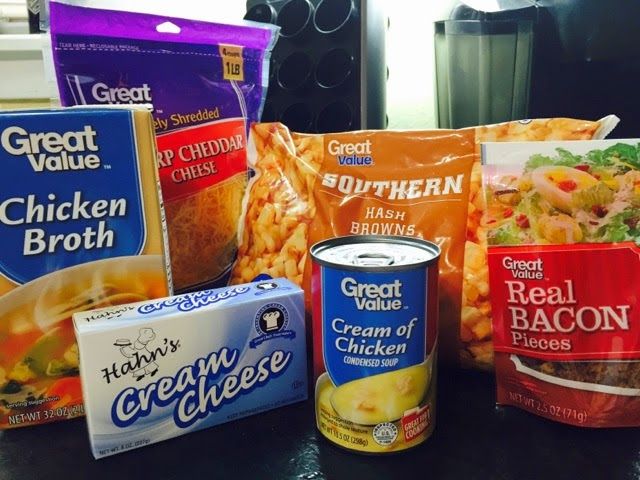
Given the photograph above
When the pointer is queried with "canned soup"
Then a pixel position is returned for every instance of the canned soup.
(375, 325)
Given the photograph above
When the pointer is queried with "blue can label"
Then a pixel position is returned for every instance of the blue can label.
(70, 191)
(373, 323)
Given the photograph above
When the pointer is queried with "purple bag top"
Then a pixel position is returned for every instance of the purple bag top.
(207, 83)
(73, 20)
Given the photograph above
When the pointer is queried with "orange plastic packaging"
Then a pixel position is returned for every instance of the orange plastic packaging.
(313, 187)
(425, 184)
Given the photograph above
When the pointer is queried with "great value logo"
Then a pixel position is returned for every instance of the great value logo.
(525, 269)
(70, 191)
(103, 93)
(351, 154)
(373, 297)
(53, 151)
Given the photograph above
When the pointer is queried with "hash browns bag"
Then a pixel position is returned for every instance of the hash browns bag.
(313, 187)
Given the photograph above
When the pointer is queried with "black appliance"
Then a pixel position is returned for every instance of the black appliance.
(586, 56)
(328, 69)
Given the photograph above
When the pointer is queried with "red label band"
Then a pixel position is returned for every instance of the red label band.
(415, 422)
(566, 302)
(196, 158)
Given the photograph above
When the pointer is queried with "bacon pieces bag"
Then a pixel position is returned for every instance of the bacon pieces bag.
(426, 184)
(476, 343)
(207, 82)
(561, 217)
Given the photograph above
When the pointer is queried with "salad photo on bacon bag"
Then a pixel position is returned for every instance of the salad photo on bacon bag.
(565, 198)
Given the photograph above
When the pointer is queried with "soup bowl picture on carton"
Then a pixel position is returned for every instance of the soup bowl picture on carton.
(38, 352)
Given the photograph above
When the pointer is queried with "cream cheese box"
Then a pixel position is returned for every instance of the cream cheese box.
(154, 370)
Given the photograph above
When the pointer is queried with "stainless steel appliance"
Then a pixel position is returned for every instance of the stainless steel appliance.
(585, 57)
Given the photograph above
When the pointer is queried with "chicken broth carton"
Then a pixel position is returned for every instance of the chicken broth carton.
(82, 228)
(158, 369)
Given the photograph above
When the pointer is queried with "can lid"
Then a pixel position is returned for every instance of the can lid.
(375, 253)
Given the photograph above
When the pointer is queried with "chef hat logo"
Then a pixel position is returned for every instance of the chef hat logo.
(271, 319)
(267, 286)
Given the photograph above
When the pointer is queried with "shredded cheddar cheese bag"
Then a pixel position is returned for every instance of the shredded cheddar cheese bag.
(425, 184)
(207, 83)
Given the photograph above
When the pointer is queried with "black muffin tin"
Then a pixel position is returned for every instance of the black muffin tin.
(328, 70)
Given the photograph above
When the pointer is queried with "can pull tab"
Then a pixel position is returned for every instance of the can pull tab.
(373, 260)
